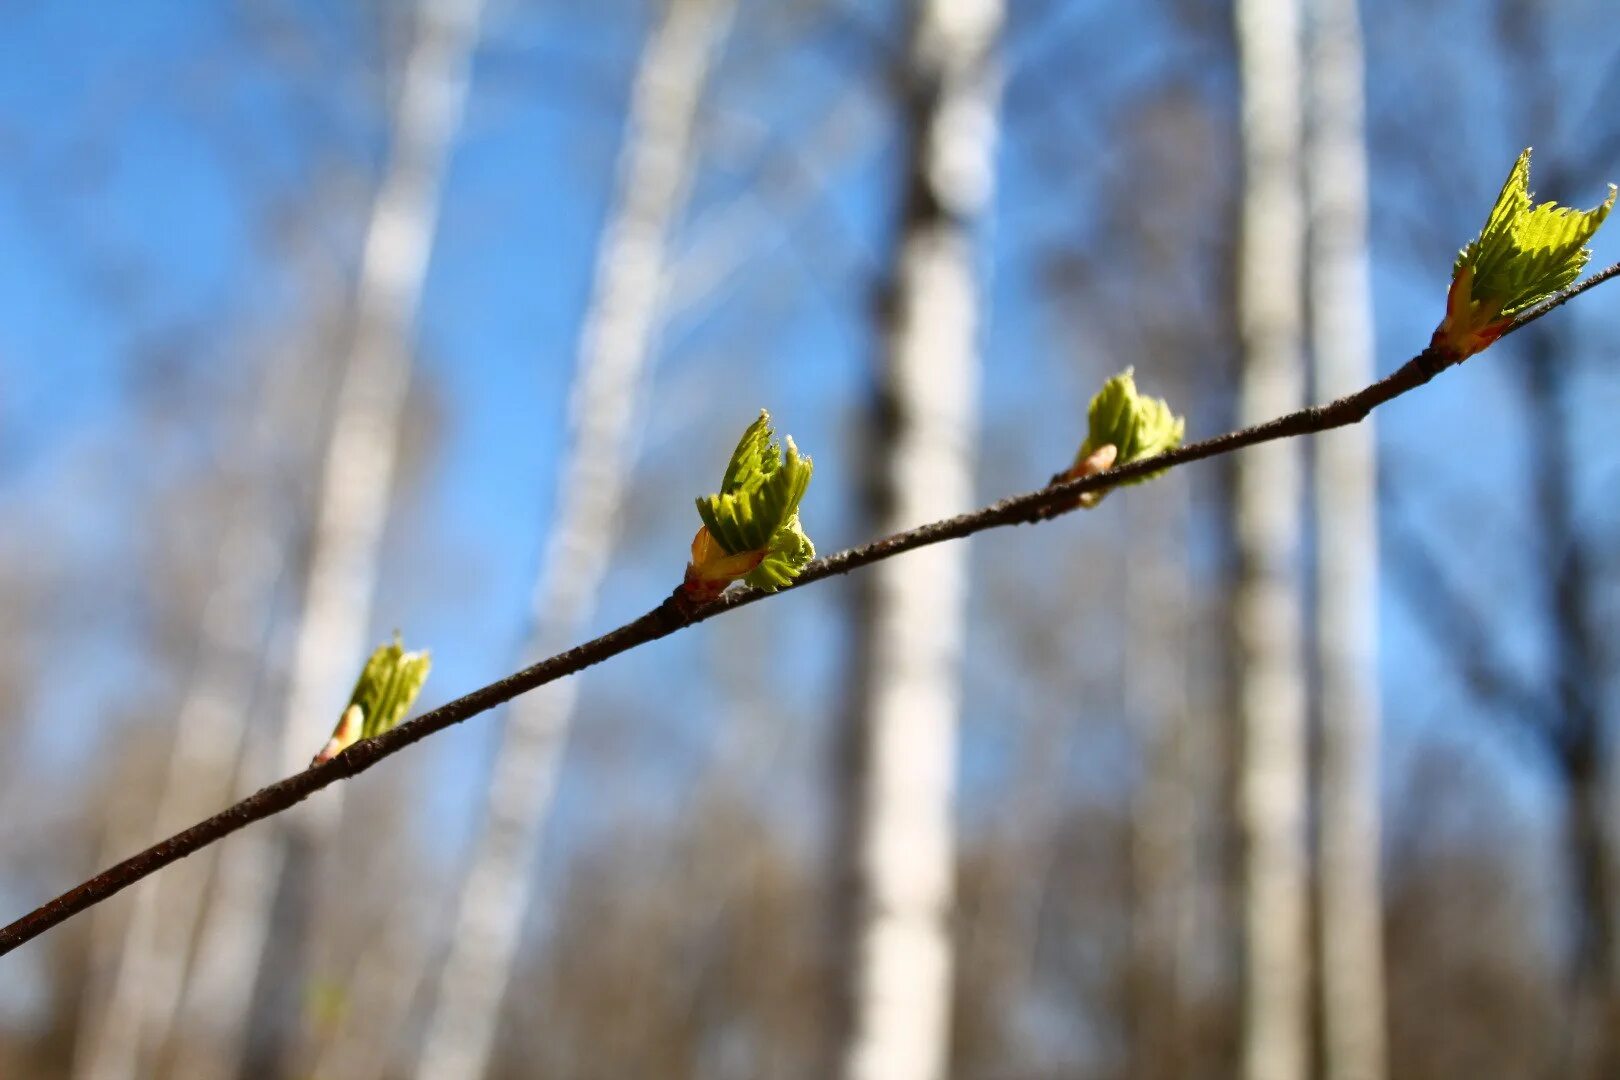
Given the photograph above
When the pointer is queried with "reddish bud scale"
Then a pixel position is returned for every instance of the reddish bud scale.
(1470, 325)
(346, 735)
(712, 568)
(1099, 460)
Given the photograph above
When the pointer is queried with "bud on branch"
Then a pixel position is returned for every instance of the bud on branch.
(1522, 256)
(1123, 426)
(387, 686)
(751, 529)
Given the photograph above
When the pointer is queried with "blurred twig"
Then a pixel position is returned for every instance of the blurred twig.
(672, 615)
(1442, 606)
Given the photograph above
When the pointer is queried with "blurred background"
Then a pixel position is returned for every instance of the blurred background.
(319, 321)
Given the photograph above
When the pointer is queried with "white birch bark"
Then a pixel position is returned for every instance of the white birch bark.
(356, 482)
(616, 342)
(904, 834)
(1267, 602)
(1345, 499)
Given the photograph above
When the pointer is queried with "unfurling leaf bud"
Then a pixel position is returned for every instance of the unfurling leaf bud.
(1123, 426)
(751, 527)
(387, 686)
(1522, 256)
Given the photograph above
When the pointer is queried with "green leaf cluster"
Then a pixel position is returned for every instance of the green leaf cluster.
(1526, 253)
(790, 551)
(1137, 426)
(387, 686)
(757, 507)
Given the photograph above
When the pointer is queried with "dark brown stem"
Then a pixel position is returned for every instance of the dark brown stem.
(676, 613)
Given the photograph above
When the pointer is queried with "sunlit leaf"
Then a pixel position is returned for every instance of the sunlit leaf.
(1523, 255)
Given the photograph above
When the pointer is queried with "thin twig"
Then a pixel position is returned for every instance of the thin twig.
(673, 614)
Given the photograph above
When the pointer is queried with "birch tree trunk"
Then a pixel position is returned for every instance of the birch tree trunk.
(356, 482)
(1267, 605)
(901, 835)
(1345, 499)
(616, 342)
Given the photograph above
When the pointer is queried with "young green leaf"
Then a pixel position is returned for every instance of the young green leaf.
(789, 551)
(1123, 426)
(1523, 255)
(751, 526)
(387, 686)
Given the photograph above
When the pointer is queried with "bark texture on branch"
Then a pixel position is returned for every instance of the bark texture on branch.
(1030, 507)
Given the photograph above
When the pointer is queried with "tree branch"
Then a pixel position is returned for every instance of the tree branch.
(675, 614)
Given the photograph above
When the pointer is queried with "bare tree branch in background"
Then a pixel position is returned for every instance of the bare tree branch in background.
(617, 341)
(1564, 716)
(1580, 739)
(1445, 610)
(780, 203)
(1345, 495)
(210, 729)
(1267, 601)
(897, 844)
(1162, 857)
(356, 484)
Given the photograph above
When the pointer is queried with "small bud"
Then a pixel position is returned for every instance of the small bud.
(1099, 460)
(387, 686)
(1123, 426)
(345, 735)
(1522, 256)
(712, 569)
(751, 528)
